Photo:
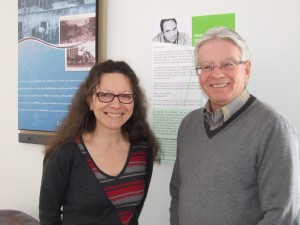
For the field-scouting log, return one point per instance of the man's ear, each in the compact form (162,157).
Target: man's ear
(248,69)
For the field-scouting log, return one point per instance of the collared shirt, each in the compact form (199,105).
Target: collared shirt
(221,115)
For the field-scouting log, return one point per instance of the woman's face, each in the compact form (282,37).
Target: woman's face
(112,115)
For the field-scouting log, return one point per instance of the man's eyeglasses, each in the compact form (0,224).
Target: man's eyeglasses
(224,67)
(109,97)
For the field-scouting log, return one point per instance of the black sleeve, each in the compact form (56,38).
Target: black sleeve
(55,180)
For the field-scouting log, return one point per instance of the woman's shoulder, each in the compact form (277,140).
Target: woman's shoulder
(141,144)
(67,150)
(63,159)
(142,148)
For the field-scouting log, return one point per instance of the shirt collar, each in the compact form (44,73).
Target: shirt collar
(223,114)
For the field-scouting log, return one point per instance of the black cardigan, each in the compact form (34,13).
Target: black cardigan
(68,182)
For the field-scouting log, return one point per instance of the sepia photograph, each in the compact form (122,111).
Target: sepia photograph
(78,35)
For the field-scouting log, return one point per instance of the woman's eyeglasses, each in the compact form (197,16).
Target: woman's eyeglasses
(109,97)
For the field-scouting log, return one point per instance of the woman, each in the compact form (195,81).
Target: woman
(98,167)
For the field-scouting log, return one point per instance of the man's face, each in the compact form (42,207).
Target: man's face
(170,31)
(222,85)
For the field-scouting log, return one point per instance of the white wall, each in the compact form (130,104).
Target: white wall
(270,27)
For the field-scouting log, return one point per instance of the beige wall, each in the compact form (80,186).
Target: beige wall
(270,27)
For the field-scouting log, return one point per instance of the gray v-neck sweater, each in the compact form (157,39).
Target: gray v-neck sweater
(244,173)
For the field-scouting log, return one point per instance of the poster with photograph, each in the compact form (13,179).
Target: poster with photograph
(56,48)
(78,36)
(175,88)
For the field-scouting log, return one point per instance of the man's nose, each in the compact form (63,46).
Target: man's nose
(217,72)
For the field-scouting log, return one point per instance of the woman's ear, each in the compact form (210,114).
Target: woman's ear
(90,103)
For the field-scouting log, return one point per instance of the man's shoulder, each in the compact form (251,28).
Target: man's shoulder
(158,37)
(266,109)
(196,114)
(268,114)
(184,38)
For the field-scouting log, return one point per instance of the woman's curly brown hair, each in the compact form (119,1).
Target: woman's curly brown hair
(80,119)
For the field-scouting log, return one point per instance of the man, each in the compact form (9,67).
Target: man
(170,34)
(237,158)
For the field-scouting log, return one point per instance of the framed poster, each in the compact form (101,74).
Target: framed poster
(58,42)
